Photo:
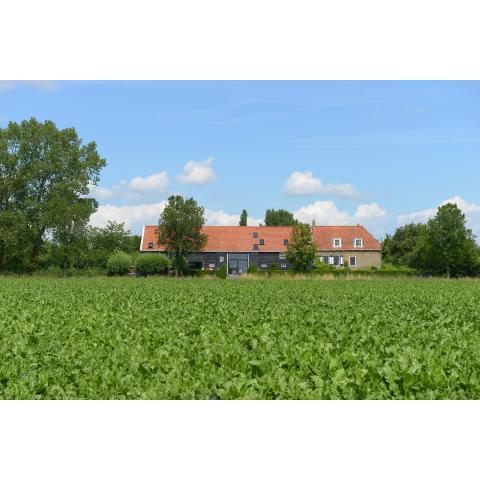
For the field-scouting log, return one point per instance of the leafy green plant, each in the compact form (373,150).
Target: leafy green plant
(118,263)
(273,267)
(151,264)
(277,338)
(221,272)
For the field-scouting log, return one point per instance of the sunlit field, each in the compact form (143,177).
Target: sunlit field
(107,338)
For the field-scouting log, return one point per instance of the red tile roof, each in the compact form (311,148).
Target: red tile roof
(240,239)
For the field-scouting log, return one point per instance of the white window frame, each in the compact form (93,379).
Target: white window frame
(283,265)
(350,261)
(331,260)
(355,242)
(263,265)
(339,240)
(282,255)
(221,259)
(211,265)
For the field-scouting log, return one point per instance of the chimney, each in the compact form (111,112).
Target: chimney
(314,224)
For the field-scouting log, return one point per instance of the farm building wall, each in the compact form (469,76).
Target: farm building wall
(365,258)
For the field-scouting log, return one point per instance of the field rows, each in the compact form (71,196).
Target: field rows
(267,339)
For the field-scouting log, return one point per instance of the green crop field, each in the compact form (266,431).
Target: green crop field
(110,338)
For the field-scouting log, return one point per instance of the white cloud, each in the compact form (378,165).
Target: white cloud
(43,85)
(471,211)
(100,193)
(219,217)
(135,216)
(304,183)
(327,213)
(197,173)
(7,85)
(154,183)
(324,213)
(369,212)
(135,189)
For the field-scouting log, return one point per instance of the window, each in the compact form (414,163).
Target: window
(262,241)
(150,245)
(337,242)
(353,261)
(324,258)
(283,265)
(285,242)
(255,246)
(255,234)
(331,260)
(358,242)
(221,259)
(282,255)
(263,265)
(211,265)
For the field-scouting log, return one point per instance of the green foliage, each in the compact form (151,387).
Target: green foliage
(444,246)
(278,218)
(449,246)
(403,247)
(252,269)
(45,174)
(151,264)
(302,249)
(322,267)
(272,267)
(180,228)
(222,272)
(243,218)
(118,263)
(124,338)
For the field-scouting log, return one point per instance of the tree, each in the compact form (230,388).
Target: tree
(180,229)
(302,249)
(403,247)
(45,174)
(277,218)
(450,247)
(243,218)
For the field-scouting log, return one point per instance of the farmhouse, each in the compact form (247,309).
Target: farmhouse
(240,247)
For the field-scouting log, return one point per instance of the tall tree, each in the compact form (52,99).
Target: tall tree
(403,247)
(243,218)
(104,241)
(180,229)
(302,249)
(450,246)
(48,173)
(278,218)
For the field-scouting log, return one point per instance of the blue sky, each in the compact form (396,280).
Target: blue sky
(377,153)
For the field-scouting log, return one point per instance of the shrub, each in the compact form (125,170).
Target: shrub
(272,267)
(322,267)
(151,264)
(221,272)
(118,263)
(252,269)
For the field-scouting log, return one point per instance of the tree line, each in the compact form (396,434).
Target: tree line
(442,246)
(45,177)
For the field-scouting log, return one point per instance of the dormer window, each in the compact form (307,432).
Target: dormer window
(255,246)
(262,241)
(337,243)
(255,234)
(285,242)
(358,242)
(150,245)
